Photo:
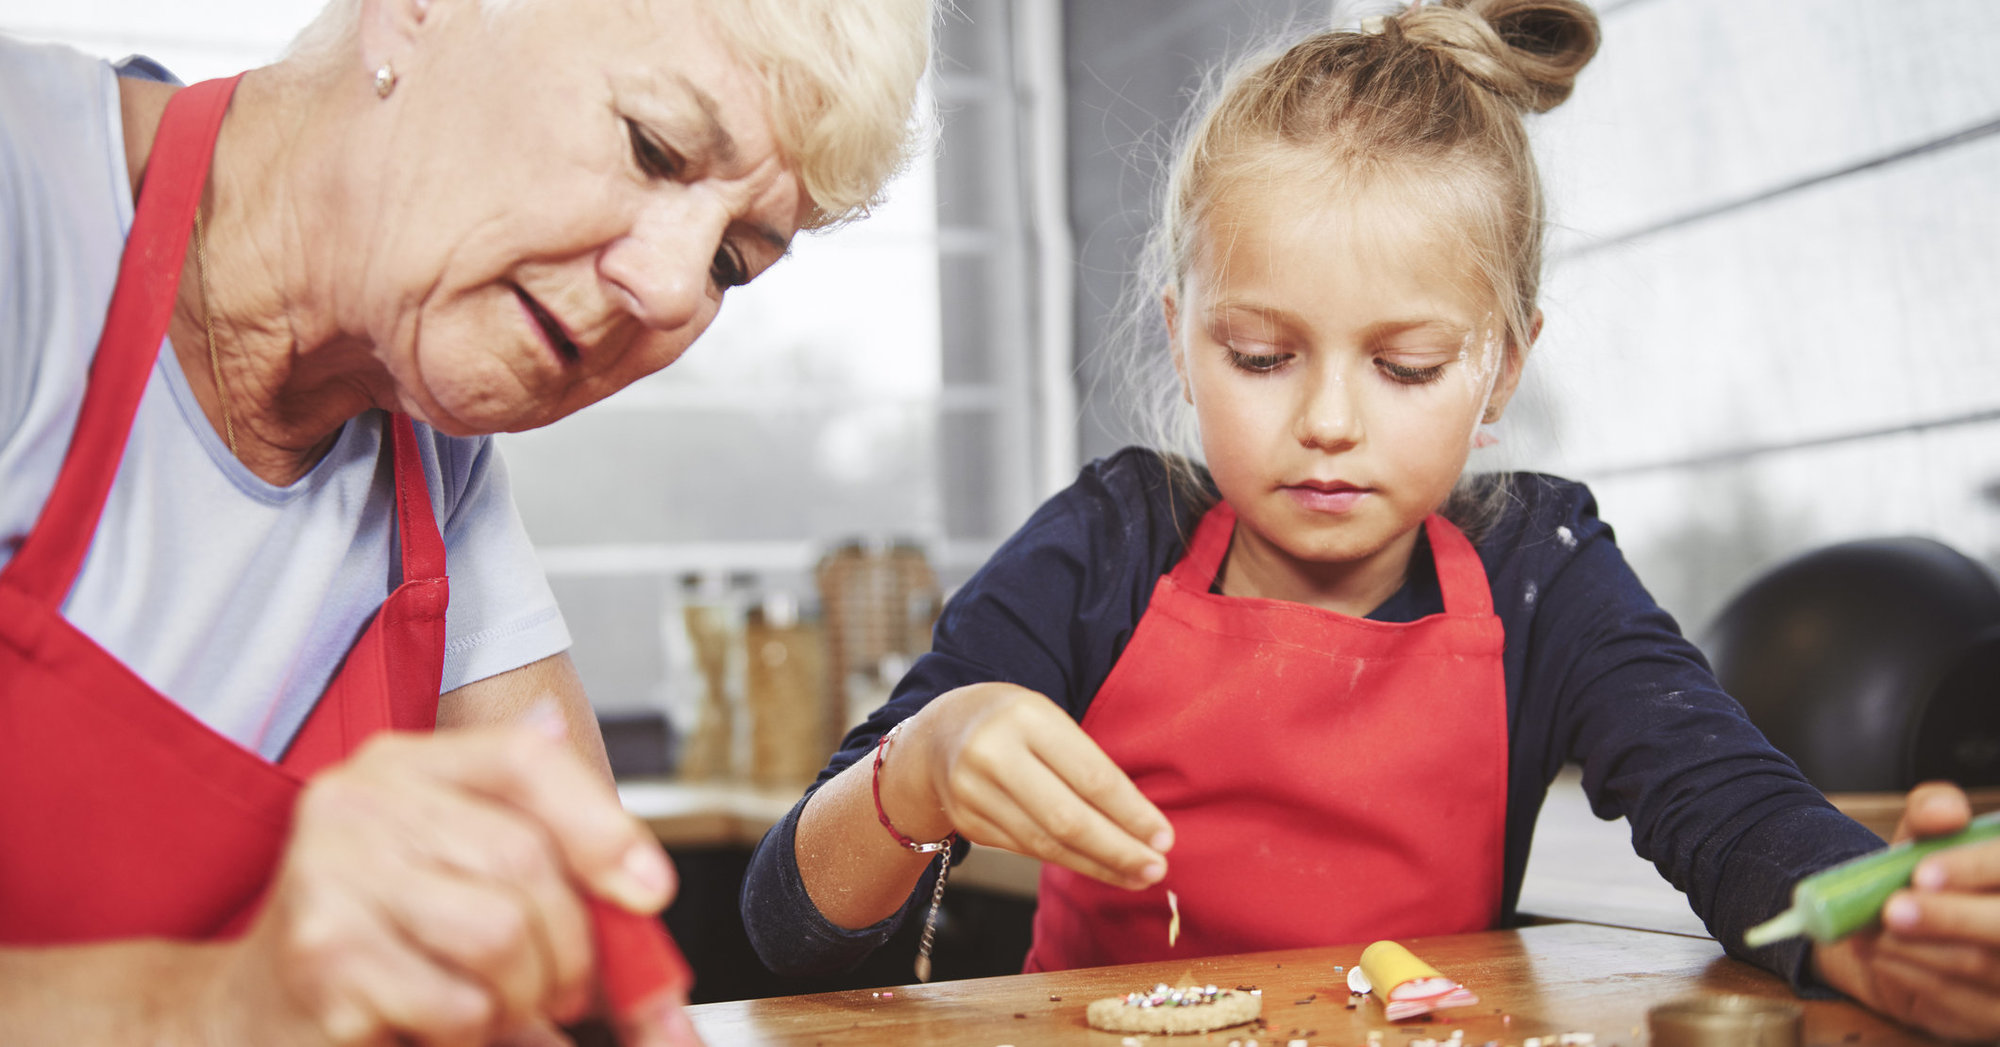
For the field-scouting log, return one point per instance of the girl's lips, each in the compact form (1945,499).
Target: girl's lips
(552,329)
(1331,498)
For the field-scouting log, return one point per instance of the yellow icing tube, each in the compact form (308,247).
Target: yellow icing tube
(1406,985)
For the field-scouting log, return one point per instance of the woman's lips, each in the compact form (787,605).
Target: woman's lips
(1326,498)
(552,329)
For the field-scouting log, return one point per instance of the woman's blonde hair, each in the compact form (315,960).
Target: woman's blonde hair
(1427,101)
(842,77)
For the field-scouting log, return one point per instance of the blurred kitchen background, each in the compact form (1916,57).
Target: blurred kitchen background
(1771,303)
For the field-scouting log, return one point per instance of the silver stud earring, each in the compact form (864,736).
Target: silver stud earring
(385,79)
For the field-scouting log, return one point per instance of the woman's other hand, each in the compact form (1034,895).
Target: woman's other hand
(430,893)
(1007,767)
(1935,961)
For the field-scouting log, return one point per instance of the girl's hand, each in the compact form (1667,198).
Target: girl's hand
(1009,768)
(1935,961)
(430,893)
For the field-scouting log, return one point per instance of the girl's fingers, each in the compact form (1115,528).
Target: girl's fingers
(1018,773)
(1077,826)
(1965,962)
(1036,808)
(1944,1006)
(1099,781)
(1932,809)
(1961,916)
(1011,828)
(1973,867)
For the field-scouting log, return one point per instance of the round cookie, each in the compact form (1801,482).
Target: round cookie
(1196,1008)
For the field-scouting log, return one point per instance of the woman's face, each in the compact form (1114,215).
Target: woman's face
(1337,370)
(566,192)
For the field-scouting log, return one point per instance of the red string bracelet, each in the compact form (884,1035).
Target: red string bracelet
(875,784)
(942,847)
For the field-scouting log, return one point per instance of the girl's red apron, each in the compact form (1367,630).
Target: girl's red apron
(120,814)
(1330,779)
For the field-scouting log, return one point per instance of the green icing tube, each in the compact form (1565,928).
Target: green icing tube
(1833,903)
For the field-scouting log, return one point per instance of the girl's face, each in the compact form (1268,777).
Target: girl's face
(1338,367)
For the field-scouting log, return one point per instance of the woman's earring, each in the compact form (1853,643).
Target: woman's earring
(385,79)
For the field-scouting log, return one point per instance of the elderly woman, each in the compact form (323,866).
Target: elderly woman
(243,429)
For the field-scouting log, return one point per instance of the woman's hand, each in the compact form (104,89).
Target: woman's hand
(1007,767)
(1935,961)
(430,893)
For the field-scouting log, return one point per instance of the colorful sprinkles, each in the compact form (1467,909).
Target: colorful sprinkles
(1164,995)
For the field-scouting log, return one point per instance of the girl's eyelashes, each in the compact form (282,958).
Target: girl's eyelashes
(1257,363)
(728,269)
(1410,375)
(656,160)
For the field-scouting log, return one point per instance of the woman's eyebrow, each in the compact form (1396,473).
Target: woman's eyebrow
(715,138)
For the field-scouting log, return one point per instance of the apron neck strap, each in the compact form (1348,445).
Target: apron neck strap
(1198,569)
(1461,577)
(149,275)
(416,522)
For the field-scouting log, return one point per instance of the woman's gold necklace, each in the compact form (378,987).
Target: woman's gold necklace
(208,323)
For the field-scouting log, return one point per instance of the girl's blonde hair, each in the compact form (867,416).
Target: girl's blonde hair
(842,77)
(1428,102)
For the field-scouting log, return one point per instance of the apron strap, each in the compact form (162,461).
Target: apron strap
(149,274)
(1203,561)
(416,522)
(1461,577)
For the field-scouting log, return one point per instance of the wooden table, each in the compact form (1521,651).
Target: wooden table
(1537,981)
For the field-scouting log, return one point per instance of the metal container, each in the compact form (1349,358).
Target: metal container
(1726,1021)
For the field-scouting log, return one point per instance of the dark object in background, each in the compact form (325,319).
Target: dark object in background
(640,745)
(1874,664)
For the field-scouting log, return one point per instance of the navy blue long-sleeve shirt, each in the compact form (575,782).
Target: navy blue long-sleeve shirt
(1597,673)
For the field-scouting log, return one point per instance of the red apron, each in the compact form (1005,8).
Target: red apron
(1330,779)
(121,814)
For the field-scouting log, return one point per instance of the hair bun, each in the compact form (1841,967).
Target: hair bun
(1527,51)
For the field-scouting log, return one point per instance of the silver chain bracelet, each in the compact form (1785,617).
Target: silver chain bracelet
(931,918)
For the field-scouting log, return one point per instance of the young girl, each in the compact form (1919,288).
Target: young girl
(1319,688)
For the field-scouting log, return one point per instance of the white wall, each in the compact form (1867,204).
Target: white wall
(1772,322)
